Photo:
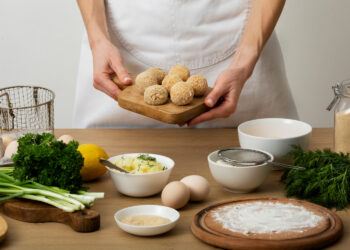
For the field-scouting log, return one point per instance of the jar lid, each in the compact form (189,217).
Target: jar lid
(340,89)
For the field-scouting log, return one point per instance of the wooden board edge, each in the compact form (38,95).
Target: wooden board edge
(329,236)
(137,108)
(170,118)
(5,229)
(167,118)
(83,221)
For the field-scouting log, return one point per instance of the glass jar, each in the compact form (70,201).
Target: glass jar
(341,102)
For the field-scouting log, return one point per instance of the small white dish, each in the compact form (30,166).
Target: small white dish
(141,185)
(162,211)
(238,179)
(274,135)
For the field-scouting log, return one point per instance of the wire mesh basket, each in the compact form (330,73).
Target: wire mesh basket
(26,109)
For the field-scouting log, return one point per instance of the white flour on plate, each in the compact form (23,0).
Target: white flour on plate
(266,218)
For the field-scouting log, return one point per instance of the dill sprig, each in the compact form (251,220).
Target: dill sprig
(326,180)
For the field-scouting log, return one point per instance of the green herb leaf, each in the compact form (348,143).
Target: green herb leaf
(326,180)
(43,159)
(146,158)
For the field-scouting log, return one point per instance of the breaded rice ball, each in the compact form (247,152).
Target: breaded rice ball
(170,80)
(181,71)
(199,84)
(155,95)
(181,93)
(159,73)
(144,80)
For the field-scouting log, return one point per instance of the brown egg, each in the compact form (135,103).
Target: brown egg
(198,185)
(176,195)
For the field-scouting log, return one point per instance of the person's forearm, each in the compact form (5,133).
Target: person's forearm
(93,12)
(260,24)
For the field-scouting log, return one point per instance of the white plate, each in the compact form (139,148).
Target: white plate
(162,211)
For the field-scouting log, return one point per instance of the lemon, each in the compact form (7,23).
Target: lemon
(92,168)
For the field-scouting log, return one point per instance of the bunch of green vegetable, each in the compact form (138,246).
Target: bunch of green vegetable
(63,199)
(43,159)
(326,180)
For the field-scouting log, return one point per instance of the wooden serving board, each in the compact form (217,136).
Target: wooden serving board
(132,100)
(327,232)
(3,229)
(31,211)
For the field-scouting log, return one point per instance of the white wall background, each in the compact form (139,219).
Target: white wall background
(40,45)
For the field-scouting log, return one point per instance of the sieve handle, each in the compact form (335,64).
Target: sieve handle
(278,164)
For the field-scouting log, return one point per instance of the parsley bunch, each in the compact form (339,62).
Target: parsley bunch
(326,180)
(43,159)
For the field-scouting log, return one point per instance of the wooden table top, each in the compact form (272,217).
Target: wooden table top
(189,149)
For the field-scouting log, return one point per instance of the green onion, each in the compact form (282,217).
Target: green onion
(63,199)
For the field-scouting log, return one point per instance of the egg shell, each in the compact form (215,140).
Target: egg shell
(11,149)
(176,195)
(66,138)
(199,187)
(6,140)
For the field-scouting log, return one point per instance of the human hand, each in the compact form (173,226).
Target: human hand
(228,87)
(107,60)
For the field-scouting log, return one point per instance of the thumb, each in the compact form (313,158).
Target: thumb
(213,97)
(120,71)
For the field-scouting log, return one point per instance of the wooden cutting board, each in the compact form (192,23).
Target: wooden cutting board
(31,211)
(324,234)
(132,100)
(3,229)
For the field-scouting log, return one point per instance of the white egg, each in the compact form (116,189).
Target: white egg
(175,195)
(198,185)
(6,140)
(11,149)
(66,138)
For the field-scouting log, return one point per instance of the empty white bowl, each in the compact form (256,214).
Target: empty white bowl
(141,185)
(274,135)
(238,179)
(162,211)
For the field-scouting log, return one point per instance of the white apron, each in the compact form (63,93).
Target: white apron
(200,34)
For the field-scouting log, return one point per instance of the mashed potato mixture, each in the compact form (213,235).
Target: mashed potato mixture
(140,164)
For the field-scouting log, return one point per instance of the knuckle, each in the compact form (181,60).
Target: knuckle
(96,79)
(96,85)
(117,63)
(226,113)
(115,93)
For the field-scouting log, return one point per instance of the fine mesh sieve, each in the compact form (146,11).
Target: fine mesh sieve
(250,157)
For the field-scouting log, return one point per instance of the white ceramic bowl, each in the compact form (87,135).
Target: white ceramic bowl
(238,179)
(141,185)
(274,135)
(163,211)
